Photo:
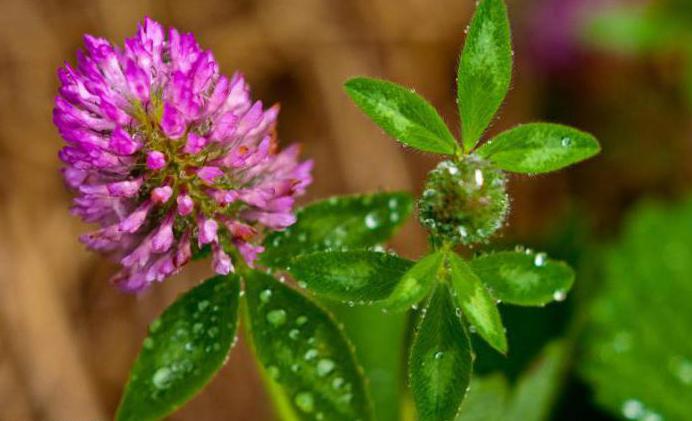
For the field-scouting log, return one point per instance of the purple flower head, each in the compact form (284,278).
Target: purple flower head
(168,155)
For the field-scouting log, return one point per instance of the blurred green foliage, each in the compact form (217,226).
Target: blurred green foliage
(656,27)
(638,345)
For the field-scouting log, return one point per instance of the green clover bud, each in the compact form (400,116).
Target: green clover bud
(464,202)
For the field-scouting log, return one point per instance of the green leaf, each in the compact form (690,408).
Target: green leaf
(440,362)
(486,399)
(339,222)
(379,340)
(350,276)
(536,390)
(186,346)
(404,115)
(638,345)
(416,283)
(302,349)
(476,303)
(532,397)
(524,279)
(485,69)
(539,148)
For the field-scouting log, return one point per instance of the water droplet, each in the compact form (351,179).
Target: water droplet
(393,203)
(337,382)
(478,177)
(304,401)
(295,368)
(371,221)
(148,343)
(566,141)
(310,354)
(202,305)
(324,367)
(540,259)
(265,295)
(294,334)
(439,355)
(682,369)
(302,237)
(301,320)
(302,284)
(559,295)
(452,170)
(213,331)
(463,231)
(162,377)
(189,346)
(197,327)
(394,217)
(472,329)
(457,311)
(276,317)
(632,409)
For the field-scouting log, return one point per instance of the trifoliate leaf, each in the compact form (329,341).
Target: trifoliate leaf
(358,277)
(523,279)
(639,348)
(304,352)
(186,346)
(440,363)
(338,223)
(403,114)
(539,148)
(485,69)
(477,304)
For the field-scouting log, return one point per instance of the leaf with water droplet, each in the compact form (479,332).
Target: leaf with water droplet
(523,279)
(403,114)
(338,223)
(356,276)
(304,370)
(476,303)
(440,362)
(539,148)
(637,343)
(485,69)
(416,283)
(177,359)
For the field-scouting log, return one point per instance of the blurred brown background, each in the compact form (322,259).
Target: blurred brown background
(67,338)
